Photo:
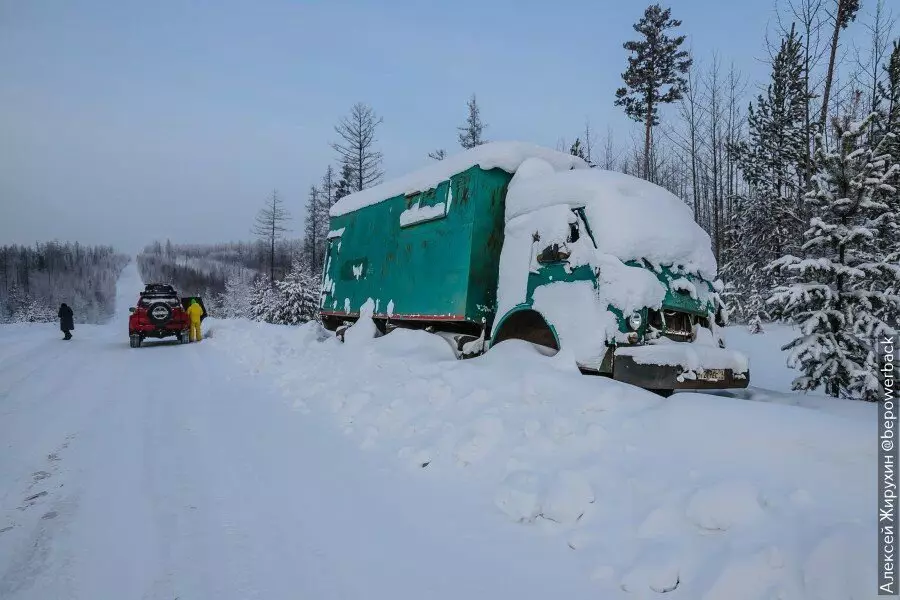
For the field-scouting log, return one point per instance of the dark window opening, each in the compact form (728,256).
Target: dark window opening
(573,232)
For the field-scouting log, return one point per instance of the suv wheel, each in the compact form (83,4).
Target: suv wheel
(135,341)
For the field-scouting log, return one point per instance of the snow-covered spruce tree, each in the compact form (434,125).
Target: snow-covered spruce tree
(656,62)
(237,300)
(298,296)
(755,326)
(888,105)
(34,311)
(767,221)
(472,133)
(842,291)
(264,300)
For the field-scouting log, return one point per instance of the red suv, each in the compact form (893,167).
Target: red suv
(160,313)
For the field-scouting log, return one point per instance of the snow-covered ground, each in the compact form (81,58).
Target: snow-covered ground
(276,462)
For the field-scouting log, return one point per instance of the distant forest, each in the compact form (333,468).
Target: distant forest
(203,269)
(34,281)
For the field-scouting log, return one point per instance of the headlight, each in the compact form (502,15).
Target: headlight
(635,321)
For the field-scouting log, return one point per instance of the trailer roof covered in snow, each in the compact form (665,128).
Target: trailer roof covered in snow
(631,219)
(503,155)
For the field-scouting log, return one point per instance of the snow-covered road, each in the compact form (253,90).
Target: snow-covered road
(160,473)
(269,462)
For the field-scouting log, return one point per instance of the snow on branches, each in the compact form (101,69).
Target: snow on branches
(290,301)
(845,295)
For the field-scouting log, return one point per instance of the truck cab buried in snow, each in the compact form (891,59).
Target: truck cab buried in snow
(513,241)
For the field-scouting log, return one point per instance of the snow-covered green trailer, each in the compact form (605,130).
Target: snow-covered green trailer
(428,256)
(514,241)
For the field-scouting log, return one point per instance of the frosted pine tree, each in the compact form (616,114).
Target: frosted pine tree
(34,311)
(236,300)
(299,296)
(844,284)
(889,109)
(264,300)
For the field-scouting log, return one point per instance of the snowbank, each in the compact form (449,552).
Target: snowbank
(503,155)
(699,495)
(631,219)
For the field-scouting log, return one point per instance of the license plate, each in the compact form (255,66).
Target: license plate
(712,375)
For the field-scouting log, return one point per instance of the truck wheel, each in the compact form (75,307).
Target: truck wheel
(185,336)
(135,341)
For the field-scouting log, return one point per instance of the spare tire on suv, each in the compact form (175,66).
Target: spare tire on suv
(159,313)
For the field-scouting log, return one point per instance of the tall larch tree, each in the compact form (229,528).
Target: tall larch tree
(314,235)
(357,146)
(842,13)
(270,226)
(656,72)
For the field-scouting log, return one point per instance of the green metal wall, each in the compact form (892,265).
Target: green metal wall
(443,269)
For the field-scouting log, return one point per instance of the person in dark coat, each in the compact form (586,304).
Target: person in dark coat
(66,320)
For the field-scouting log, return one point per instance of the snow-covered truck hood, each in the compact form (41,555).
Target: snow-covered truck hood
(630,218)
(634,224)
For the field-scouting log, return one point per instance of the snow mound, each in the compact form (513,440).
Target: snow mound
(485,435)
(833,570)
(502,155)
(364,330)
(630,218)
(568,499)
(658,570)
(724,505)
(519,496)
(415,344)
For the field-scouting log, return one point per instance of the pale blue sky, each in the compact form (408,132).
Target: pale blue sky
(122,121)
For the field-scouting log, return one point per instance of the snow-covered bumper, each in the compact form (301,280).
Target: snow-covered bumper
(680,366)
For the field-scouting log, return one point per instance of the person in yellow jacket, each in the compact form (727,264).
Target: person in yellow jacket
(195,311)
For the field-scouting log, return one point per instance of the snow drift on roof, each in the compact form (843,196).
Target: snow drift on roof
(630,218)
(503,155)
